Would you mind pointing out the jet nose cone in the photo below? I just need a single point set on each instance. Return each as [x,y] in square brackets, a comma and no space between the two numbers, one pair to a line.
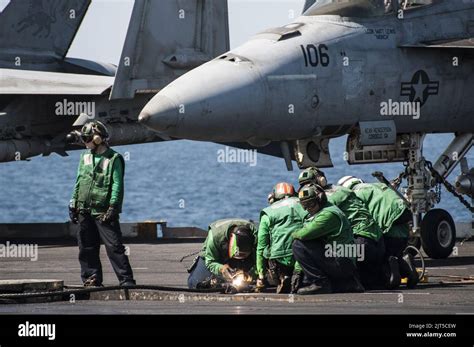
[218,101]
[160,114]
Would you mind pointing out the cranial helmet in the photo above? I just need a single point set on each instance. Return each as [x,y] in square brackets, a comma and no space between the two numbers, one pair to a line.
[283,190]
[91,130]
[312,175]
[349,181]
[241,242]
[312,194]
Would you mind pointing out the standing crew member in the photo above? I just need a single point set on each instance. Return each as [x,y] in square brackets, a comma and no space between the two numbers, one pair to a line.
[230,246]
[325,227]
[366,231]
[392,215]
[274,248]
[96,205]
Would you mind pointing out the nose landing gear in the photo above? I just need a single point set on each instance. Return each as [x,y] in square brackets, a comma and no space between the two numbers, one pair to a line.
[437,228]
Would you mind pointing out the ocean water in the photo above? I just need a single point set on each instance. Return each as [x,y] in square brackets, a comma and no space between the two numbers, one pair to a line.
[182,182]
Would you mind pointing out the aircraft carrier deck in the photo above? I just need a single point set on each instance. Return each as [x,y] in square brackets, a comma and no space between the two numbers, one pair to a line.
[449,290]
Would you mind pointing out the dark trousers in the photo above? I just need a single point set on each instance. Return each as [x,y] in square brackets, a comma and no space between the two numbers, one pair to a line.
[90,234]
[199,274]
[317,268]
[371,268]
[394,246]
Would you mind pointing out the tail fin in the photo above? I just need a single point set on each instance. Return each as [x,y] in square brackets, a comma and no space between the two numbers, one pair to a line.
[167,38]
[38,31]
[308,4]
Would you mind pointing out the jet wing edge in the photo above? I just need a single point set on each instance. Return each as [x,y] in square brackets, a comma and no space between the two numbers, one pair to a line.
[453,44]
[17,82]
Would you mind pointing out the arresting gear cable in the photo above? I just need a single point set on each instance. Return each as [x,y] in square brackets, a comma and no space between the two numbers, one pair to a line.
[422,259]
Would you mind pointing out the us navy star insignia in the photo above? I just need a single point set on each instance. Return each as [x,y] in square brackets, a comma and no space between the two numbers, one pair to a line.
[420,88]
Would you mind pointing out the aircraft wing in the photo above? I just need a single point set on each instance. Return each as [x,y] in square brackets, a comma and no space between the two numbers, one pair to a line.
[454,43]
[444,24]
[165,39]
[19,82]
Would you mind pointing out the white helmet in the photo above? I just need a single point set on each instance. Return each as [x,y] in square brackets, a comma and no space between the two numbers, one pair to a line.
[349,181]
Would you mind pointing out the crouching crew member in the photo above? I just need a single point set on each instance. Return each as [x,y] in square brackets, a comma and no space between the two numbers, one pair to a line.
[285,215]
[96,204]
[230,246]
[325,228]
[393,216]
[366,231]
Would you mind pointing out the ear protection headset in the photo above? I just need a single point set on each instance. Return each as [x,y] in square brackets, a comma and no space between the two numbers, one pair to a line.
[97,139]
[321,179]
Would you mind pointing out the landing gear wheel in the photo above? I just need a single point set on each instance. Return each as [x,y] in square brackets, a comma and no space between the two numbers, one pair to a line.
[438,234]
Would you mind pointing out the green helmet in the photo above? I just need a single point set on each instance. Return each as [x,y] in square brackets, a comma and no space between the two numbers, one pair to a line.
[312,175]
[312,194]
[241,242]
[94,128]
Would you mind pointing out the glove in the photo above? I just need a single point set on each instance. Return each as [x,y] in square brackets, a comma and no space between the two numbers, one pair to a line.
[227,272]
[296,281]
[111,214]
[260,286]
[73,214]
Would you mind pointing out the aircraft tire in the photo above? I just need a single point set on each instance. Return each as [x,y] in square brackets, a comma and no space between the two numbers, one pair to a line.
[438,234]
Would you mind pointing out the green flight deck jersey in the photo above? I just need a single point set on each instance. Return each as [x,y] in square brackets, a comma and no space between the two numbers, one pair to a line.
[215,250]
[277,222]
[99,182]
[362,222]
[385,206]
[329,224]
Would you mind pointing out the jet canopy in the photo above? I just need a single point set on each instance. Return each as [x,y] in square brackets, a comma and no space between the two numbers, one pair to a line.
[360,8]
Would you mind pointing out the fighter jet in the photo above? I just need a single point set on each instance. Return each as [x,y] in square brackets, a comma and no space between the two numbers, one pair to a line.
[384,72]
[45,95]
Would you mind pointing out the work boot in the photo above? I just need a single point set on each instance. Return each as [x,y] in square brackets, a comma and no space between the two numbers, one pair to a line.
[92,282]
[128,284]
[285,285]
[323,287]
[408,268]
[392,273]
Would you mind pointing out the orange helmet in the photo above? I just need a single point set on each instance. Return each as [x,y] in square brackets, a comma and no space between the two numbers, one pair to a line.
[283,190]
